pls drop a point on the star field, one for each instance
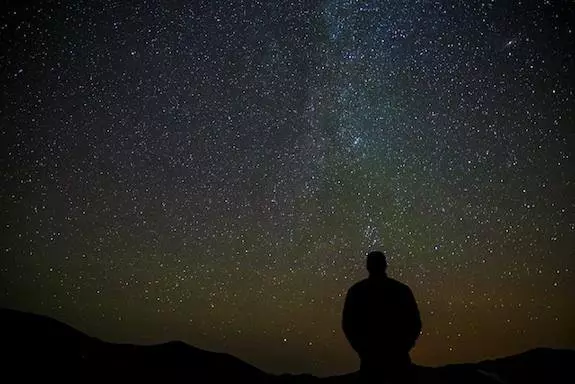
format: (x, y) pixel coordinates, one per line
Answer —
(215, 172)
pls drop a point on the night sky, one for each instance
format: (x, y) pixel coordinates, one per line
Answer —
(215, 172)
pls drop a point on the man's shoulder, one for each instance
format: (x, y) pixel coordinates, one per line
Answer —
(398, 285)
(360, 285)
(386, 283)
(396, 282)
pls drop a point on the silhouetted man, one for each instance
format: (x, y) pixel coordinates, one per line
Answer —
(381, 321)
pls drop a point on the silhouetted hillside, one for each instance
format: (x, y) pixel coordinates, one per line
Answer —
(40, 348)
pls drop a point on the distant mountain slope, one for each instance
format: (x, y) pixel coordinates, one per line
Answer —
(36, 347)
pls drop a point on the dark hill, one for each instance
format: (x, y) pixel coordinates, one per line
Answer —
(39, 348)
(36, 346)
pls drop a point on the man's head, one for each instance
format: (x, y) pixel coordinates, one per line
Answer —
(376, 263)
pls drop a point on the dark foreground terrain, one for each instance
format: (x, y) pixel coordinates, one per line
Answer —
(39, 348)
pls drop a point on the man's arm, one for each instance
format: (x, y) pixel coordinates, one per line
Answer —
(346, 318)
(413, 317)
(349, 320)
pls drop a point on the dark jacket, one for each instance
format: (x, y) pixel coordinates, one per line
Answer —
(380, 316)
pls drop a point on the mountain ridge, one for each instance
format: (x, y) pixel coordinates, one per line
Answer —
(56, 350)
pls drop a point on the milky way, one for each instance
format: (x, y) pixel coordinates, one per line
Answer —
(215, 172)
